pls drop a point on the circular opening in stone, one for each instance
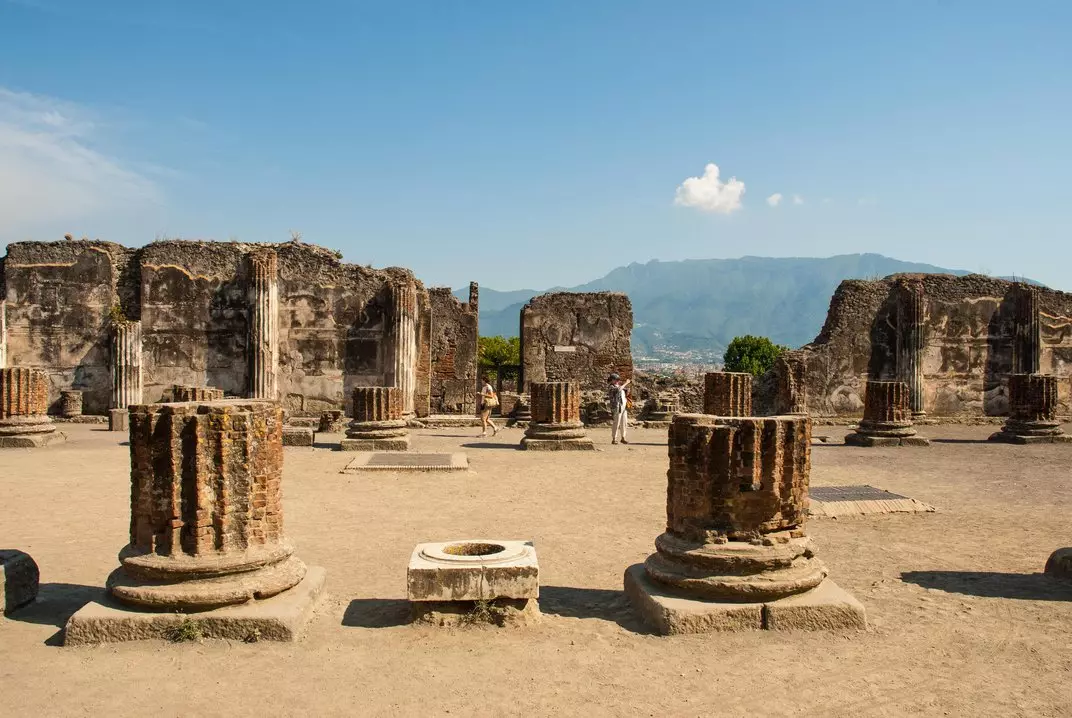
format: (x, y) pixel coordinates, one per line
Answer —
(473, 549)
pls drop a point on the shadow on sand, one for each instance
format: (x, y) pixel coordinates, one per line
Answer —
(990, 584)
(376, 613)
(57, 602)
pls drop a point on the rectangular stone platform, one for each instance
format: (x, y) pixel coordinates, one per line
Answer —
(557, 444)
(280, 618)
(868, 440)
(856, 500)
(1006, 438)
(394, 461)
(396, 444)
(297, 436)
(825, 607)
(31, 441)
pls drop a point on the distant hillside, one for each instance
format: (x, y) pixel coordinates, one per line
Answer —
(701, 304)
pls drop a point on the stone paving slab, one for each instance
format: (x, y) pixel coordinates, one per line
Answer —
(405, 461)
(280, 618)
(857, 500)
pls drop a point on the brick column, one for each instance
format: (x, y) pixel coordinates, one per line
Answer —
(887, 417)
(1032, 411)
(264, 325)
(791, 377)
(70, 403)
(911, 342)
(556, 418)
(728, 393)
(206, 513)
(1027, 337)
(24, 420)
(377, 421)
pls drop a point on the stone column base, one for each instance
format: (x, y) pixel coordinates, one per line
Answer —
(858, 439)
(1060, 563)
(397, 443)
(1008, 437)
(19, 580)
(584, 444)
(280, 618)
(118, 420)
(506, 612)
(825, 607)
(30, 441)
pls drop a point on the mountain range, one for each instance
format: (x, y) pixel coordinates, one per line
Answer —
(697, 306)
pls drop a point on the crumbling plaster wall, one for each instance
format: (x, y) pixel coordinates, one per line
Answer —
(580, 336)
(968, 336)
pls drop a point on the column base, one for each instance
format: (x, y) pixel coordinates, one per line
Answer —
(584, 444)
(1010, 438)
(31, 441)
(505, 612)
(118, 420)
(825, 607)
(398, 443)
(19, 580)
(857, 439)
(280, 618)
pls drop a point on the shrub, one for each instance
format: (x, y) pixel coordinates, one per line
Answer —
(754, 355)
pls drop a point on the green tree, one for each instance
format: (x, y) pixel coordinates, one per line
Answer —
(754, 355)
(498, 352)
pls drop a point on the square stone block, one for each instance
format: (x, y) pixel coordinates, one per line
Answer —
(855, 439)
(557, 444)
(297, 436)
(825, 607)
(669, 614)
(118, 420)
(19, 580)
(31, 441)
(280, 618)
(1007, 438)
(473, 570)
(400, 443)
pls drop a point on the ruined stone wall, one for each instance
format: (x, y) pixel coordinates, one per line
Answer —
(337, 322)
(577, 336)
(968, 336)
(454, 346)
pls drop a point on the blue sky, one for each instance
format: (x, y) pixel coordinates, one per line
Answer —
(540, 144)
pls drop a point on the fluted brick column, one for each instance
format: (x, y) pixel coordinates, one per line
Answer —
(911, 342)
(556, 418)
(1032, 411)
(264, 325)
(1027, 337)
(887, 417)
(24, 420)
(404, 329)
(791, 377)
(728, 393)
(206, 513)
(378, 423)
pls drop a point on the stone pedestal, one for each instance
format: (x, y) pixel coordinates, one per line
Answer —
(118, 420)
(911, 343)
(19, 580)
(556, 418)
(206, 527)
(332, 421)
(791, 378)
(1032, 411)
(184, 394)
(1059, 564)
(126, 365)
(263, 325)
(735, 555)
(666, 406)
(70, 403)
(887, 417)
(24, 420)
(378, 424)
(298, 436)
(728, 393)
(523, 408)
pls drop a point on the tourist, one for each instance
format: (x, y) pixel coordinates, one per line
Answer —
(488, 401)
(619, 408)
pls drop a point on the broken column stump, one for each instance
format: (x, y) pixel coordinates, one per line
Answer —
(887, 417)
(24, 420)
(378, 424)
(1032, 412)
(19, 580)
(207, 552)
(556, 418)
(728, 393)
(735, 555)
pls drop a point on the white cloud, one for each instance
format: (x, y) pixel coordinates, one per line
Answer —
(50, 174)
(709, 193)
(797, 199)
(775, 199)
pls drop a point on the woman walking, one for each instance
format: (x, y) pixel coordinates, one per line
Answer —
(488, 401)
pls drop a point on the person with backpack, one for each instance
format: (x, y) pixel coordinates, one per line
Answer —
(488, 401)
(619, 407)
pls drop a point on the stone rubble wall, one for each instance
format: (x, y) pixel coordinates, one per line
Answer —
(455, 331)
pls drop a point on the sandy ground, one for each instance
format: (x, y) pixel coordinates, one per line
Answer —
(962, 620)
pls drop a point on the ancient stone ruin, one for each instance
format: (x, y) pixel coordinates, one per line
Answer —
(284, 321)
(475, 580)
(377, 424)
(887, 417)
(1032, 412)
(24, 421)
(735, 554)
(19, 580)
(70, 404)
(953, 340)
(728, 393)
(206, 530)
(791, 383)
(556, 418)
(576, 336)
